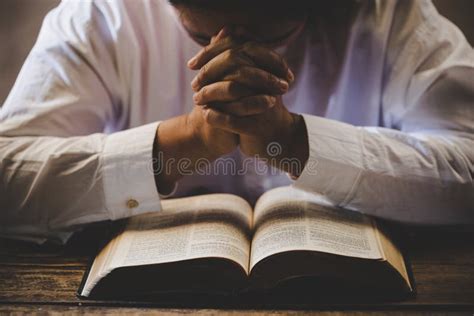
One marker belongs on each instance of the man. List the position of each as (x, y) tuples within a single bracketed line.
[(104, 98)]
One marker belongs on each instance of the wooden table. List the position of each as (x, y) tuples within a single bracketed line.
[(46, 278)]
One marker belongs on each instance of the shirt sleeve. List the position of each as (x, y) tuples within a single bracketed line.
[(420, 169), (61, 166)]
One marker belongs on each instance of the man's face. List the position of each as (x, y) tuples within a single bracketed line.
[(255, 24)]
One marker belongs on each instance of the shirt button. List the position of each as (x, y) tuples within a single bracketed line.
[(132, 203)]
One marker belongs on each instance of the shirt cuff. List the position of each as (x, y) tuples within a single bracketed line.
[(128, 177), (335, 156)]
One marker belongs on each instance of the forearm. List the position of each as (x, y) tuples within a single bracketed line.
[(416, 178), (50, 185)]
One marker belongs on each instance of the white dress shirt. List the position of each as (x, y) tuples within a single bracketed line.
[(392, 137)]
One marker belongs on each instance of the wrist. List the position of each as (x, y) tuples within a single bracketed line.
[(165, 150), (297, 146), (165, 181), (211, 143), (196, 135), (175, 151)]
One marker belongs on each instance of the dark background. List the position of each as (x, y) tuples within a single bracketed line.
[(20, 21)]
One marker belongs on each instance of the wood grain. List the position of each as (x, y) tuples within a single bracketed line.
[(80, 310), (32, 276)]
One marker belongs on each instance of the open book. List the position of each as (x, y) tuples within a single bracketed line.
[(217, 244)]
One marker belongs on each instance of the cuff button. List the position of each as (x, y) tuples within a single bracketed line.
[(132, 203)]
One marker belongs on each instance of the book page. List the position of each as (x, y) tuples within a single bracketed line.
[(393, 255), (215, 225), (288, 219)]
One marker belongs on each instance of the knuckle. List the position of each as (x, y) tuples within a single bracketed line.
[(203, 94), (268, 100), (231, 54), (282, 61), (232, 88), (230, 41), (270, 79), (233, 58), (243, 73), (203, 71), (243, 55), (202, 74), (206, 50), (238, 73)]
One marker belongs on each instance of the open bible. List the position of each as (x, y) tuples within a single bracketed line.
[(291, 241)]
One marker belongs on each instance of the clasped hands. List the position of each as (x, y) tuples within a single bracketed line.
[(238, 100)]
